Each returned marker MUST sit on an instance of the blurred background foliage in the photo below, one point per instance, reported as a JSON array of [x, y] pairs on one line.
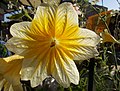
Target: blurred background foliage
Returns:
[[102, 72]]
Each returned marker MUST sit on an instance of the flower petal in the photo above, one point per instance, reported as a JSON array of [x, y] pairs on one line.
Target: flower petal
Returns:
[[23, 30], [33, 71], [82, 45], [19, 30], [53, 21], [26, 48], [44, 20], [107, 37], [34, 68], [66, 20], [87, 44], [11, 67], [65, 70]]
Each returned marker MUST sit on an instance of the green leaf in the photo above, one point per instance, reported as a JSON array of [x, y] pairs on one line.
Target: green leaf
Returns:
[[16, 16], [3, 51]]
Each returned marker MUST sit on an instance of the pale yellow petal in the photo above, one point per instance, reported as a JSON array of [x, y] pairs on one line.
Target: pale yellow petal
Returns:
[[66, 22], [65, 70], [27, 48], [107, 37], [8, 62], [33, 71], [12, 74], [20, 30], [52, 21], [34, 68], [13, 58], [25, 31], [82, 45], [87, 45], [11, 67], [44, 20]]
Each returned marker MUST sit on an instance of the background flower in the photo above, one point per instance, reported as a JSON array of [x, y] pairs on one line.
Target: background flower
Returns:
[[107, 37], [9, 73]]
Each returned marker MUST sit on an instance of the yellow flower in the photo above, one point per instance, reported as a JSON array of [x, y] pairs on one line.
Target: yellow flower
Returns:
[[9, 73], [107, 37], [50, 43]]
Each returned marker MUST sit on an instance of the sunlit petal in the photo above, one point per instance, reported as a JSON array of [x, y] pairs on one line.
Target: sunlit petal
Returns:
[[107, 37], [34, 69], [86, 45], [19, 30], [27, 48], [65, 70], [10, 71], [44, 21], [66, 21]]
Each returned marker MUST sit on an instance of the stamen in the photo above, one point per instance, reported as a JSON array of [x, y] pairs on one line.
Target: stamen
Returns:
[[52, 44]]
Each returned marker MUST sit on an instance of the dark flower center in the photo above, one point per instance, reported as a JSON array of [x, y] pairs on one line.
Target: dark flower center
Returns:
[[52, 44]]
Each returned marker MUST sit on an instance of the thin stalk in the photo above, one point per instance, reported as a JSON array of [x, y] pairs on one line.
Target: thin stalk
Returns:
[[116, 69], [115, 57], [26, 14], [91, 74], [1, 35]]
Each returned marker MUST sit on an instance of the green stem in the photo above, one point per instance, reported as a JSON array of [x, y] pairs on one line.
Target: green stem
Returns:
[[26, 14], [116, 71], [114, 53], [61, 88], [70, 89], [91, 74]]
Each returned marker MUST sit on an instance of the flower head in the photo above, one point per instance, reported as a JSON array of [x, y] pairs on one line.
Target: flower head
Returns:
[[9, 73], [107, 37], [50, 43]]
